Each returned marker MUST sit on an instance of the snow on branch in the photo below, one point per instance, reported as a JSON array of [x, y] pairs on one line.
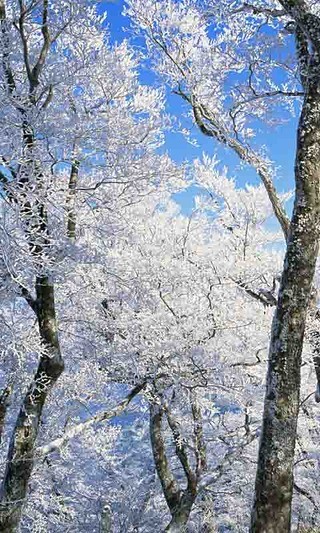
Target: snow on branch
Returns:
[[77, 429]]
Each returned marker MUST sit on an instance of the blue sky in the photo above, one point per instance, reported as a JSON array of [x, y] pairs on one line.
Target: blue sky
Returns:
[[280, 141]]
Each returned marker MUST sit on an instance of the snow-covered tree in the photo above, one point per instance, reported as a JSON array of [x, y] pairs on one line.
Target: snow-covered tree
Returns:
[[79, 134], [134, 335], [238, 64]]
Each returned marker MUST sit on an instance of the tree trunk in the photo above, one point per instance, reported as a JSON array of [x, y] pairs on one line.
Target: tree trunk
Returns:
[[178, 523], [71, 197], [170, 487], [4, 402], [179, 501], [21, 452], [180, 516], [274, 480]]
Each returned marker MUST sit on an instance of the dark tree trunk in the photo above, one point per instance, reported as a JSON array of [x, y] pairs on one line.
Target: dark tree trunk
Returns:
[[4, 402], [71, 197], [21, 452], [180, 515], [170, 487], [274, 481], [180, 501]]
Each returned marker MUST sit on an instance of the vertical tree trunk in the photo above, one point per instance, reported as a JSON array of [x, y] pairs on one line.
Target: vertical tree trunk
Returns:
[[71, 196], [274, 480], [22, 446], [4, 402], [180, 516], [33, 214], [105, 520]]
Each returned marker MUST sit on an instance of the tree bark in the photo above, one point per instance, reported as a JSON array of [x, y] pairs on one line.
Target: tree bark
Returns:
[[4, 402], [79, 428], [21, 452], [34, 216], [274, 480], [179, 501], [180, 516], [178, 522], [71, 196], [170, 487]]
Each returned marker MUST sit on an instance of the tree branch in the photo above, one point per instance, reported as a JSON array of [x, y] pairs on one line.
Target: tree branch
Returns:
[[200, 448], [5, 54], [267, 298], [249, 8], [181, 450], [24, 40], [45, 46], [77, 429], [211, 127], [71, 215]]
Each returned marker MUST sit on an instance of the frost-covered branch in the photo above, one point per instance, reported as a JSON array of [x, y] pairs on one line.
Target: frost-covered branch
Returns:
[[78, 429], [211, 127]]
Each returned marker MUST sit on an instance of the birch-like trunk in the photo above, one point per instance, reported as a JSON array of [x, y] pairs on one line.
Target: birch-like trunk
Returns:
[[274, 480]]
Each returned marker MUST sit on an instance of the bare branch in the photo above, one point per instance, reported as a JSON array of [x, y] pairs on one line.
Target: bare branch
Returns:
[[181, 449], [45, 46], [24, 40], [255, 10], [211, 127]]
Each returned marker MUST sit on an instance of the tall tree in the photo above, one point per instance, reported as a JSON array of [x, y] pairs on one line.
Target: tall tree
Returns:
[[69, 104], [231, 40], [274, 482]]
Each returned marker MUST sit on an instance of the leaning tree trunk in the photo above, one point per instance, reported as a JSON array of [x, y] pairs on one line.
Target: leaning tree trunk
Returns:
[[180, 501], [274, 480], [21, 452]]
